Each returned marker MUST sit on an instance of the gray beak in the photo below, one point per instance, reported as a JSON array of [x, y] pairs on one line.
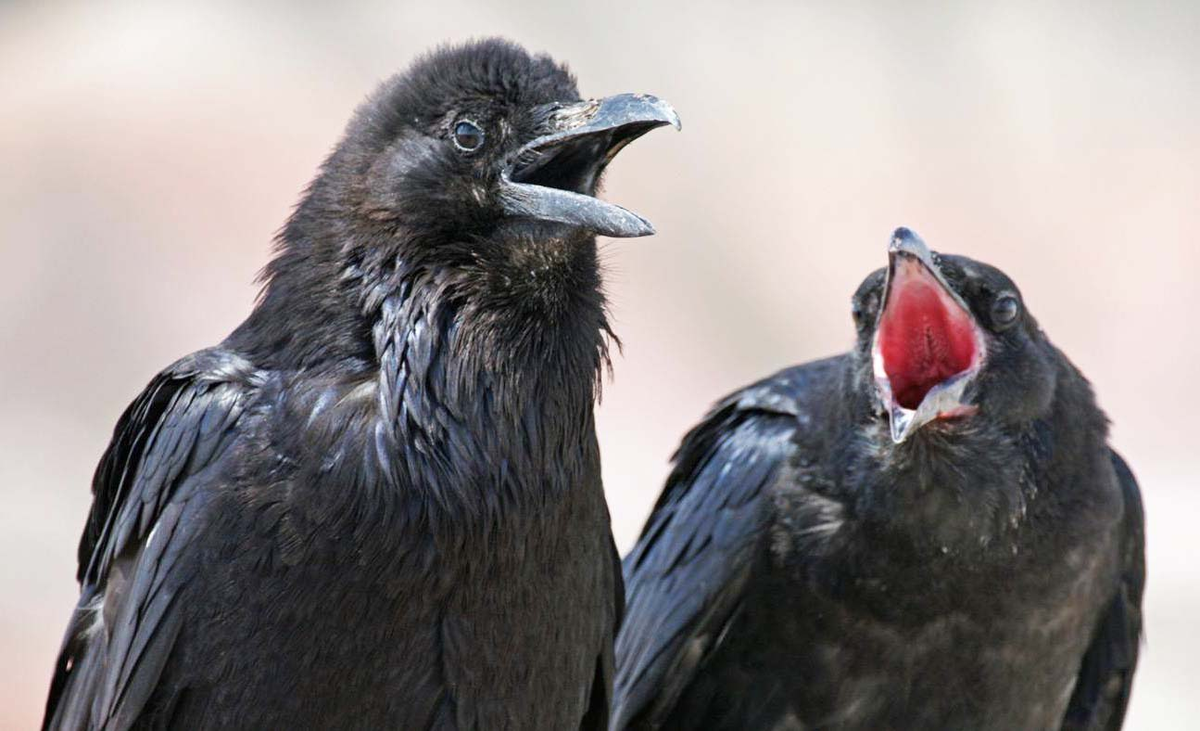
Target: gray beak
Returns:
[[553, 177]]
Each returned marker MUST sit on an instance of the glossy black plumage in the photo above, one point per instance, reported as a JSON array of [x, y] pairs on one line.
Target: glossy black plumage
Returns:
[[802, 570], [378, 504]]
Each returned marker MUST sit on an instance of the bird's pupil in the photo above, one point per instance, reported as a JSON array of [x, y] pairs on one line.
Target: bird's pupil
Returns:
[[1006, 309], [467, 136]]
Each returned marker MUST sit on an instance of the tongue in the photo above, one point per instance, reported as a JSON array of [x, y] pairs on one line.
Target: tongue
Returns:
[[925, 337]]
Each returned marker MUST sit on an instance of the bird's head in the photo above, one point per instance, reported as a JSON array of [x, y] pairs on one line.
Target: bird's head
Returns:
[[487, 141], [469, 178], [945, 339]]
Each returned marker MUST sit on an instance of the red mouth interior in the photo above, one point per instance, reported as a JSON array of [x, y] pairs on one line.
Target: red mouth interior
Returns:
[[925, 336]]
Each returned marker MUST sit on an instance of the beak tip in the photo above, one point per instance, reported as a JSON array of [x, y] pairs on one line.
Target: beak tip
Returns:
[[906, 241], [898, 426], [903, 236], [661, 108], [636, 231], [665, 114]]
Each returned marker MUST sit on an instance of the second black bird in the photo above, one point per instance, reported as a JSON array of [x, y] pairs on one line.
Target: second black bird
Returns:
[[929, 532]]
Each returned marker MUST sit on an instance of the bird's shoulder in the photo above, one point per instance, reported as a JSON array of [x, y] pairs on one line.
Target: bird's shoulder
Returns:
[[686, 575], [753, 417], [178, 424], [744, 438]]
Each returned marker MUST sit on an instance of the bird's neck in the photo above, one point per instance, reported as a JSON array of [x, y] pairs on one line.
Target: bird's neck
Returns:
[[489, 365], [959, 491], [474, 368], [974, 487]]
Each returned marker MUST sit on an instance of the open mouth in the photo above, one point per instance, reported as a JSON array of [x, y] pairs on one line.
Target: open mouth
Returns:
[[927, 346], [569, 165], [555, 176], [575, 163]]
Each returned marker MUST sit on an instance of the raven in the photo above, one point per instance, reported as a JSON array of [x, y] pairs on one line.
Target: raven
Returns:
[[377, 503], [927, 532]]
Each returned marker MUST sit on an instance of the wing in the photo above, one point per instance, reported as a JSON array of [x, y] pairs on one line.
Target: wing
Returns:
[[685, 577], [1106, 674], [148, 495]]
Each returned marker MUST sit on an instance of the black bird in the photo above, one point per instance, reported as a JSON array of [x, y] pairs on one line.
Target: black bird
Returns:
[[928, 532], [377, 504]]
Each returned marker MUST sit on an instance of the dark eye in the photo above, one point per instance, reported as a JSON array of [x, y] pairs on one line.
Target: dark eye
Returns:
[[1005, 310], [857, 311], [467, 136], [862, 310]]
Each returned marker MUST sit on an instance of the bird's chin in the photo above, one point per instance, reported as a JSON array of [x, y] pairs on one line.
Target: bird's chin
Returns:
[[545, 234], [908, 425]]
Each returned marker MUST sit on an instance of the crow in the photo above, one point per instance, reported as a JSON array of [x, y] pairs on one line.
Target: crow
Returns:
[[377, 503], [928, 532]]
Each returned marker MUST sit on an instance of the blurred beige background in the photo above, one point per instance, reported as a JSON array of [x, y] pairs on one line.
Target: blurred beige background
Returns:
[[148, 153]]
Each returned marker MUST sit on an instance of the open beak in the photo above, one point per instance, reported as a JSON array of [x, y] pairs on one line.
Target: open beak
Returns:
[[554, 177], [928, 347]]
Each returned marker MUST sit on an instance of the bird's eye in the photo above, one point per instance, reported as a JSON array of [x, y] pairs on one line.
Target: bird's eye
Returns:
[[1005, 310], [467, 136], [864, 303], [863, 310]]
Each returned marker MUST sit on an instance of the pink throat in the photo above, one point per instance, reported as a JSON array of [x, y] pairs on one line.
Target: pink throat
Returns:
[[925, 336]]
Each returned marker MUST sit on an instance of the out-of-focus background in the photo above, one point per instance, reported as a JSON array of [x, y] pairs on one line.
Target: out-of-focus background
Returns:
[[148, 152]]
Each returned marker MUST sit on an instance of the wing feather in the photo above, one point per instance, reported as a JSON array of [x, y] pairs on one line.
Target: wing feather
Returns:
[[686, 575], [150, 490]]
